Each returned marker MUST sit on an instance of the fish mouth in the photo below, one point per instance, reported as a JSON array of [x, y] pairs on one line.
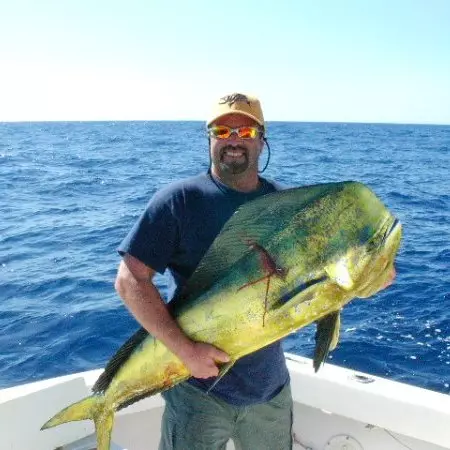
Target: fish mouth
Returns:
[[393, 227], [382, 269], [386, 230], [392, 230]]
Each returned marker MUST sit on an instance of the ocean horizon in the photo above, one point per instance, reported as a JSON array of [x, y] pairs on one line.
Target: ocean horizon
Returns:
[[268, 122]]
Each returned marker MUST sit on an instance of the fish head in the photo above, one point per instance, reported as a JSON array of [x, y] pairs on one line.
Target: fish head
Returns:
[[374, 236], [378, 259]]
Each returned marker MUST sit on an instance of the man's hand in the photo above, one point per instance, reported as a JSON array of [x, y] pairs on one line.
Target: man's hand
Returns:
[[201, 359], [134, 284]]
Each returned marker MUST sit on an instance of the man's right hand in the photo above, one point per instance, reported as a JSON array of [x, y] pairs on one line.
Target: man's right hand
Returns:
[[134, 284], [201, 359]]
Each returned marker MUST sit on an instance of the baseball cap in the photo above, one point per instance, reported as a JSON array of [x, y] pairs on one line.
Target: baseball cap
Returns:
[[236, 103]]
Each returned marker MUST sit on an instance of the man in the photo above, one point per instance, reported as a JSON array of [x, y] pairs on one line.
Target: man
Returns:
[[252, 403]]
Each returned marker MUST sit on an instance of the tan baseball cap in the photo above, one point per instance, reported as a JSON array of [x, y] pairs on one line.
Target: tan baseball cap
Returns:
[[237, 104]]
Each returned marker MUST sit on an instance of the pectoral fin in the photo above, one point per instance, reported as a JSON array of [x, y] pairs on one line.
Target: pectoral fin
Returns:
[[340, 274], [294, 297], [327, 337]]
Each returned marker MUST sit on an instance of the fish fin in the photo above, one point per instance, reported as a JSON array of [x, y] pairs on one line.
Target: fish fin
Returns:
[[82, 410], [93, 408], [340, 274], [293, 298], [226, 250], [252, 221], [336, 333], [103, 429], [117, 361], [223, 370], [327, 337], [152, 391]]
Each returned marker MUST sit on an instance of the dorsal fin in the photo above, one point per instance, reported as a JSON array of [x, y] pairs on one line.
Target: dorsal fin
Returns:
[[118, 360], [252, 221]]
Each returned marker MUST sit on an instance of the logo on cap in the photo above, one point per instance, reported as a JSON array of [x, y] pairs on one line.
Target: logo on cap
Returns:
[[234, 98]]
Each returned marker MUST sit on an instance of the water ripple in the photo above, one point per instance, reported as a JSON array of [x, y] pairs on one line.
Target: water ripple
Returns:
[[71, 191]]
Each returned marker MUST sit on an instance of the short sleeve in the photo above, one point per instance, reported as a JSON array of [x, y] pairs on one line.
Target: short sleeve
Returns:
[[153, 238]]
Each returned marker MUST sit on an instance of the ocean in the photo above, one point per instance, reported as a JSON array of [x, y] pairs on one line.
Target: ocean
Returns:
[[70, 191]]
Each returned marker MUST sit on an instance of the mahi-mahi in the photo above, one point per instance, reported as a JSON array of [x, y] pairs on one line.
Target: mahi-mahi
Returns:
[[281, 262]]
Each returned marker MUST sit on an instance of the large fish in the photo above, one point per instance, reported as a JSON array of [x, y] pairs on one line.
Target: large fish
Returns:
[[281, 262]]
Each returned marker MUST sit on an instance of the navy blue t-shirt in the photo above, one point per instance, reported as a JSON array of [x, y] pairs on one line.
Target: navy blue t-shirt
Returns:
[[176, 229]]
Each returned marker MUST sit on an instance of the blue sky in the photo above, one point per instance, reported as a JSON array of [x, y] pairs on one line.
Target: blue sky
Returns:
[[329, 60]]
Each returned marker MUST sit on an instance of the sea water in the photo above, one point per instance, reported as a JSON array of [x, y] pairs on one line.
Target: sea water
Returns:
[[69, 193]]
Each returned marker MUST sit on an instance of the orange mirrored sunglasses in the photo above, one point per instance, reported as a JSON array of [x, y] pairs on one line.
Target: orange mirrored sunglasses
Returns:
[[224, 132]]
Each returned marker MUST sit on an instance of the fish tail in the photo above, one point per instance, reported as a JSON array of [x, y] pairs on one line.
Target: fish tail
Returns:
[[84, 409], [103, 427], [93, 408]]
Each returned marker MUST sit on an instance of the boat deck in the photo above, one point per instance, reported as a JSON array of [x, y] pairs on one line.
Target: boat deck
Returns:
[[335, 409]]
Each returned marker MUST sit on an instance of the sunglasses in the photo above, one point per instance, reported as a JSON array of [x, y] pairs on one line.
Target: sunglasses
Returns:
[[224, 132]]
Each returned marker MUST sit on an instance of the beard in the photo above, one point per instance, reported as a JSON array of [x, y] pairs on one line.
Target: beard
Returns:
[[234, 166]]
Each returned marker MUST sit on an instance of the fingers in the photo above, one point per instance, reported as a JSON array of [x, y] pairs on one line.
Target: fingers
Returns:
[[213, 371], [202, 363], [207, 369], [220, 356]]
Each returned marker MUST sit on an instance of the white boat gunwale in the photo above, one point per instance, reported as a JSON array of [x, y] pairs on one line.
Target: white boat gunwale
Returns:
[[406, 412]]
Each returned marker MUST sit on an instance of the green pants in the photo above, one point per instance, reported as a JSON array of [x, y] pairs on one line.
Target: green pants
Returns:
[[194, 420]]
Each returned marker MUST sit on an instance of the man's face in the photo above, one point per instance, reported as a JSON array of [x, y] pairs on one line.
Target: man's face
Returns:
[[235, 156]]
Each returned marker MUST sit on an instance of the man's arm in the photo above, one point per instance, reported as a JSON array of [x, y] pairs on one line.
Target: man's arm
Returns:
[[135, 287]]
